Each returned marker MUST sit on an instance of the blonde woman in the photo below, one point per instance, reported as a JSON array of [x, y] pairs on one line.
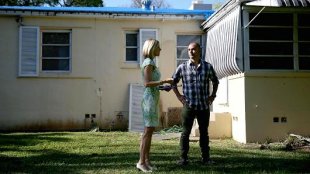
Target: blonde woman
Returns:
[[150, 101]]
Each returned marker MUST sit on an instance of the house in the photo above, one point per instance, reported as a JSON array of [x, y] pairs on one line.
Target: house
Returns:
[[260, 50], [68, 68]]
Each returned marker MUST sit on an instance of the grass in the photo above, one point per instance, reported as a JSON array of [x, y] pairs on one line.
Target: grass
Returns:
[[117, 152]]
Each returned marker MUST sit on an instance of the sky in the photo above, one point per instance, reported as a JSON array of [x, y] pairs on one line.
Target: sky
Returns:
[[178, 4]]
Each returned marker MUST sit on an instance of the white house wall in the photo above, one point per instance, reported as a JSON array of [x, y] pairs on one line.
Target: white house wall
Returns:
[[276, 95], [255, 99], [61, 100], [236, 104]]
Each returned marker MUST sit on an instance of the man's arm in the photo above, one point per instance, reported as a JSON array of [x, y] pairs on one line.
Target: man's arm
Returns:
[[215, 83], [180, 97], [214, 89], [176, 78]]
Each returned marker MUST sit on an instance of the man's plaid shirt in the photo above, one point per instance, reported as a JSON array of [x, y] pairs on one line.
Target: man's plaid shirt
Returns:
[[196, 83]]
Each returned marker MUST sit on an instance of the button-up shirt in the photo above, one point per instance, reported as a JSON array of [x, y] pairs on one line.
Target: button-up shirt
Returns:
[[195, 82]]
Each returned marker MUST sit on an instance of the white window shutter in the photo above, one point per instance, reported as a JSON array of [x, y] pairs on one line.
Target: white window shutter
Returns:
[[136, 123], [145, 34], [28, 51]]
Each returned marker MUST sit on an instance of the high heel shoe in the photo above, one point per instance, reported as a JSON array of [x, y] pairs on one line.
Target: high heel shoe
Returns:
[[143, 168]]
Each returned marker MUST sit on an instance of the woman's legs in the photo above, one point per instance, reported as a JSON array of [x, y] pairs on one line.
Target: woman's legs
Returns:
[[148, 146], [145, 145]]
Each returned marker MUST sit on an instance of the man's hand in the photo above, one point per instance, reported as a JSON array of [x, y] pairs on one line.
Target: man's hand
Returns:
[[182, 99], [211, 99]]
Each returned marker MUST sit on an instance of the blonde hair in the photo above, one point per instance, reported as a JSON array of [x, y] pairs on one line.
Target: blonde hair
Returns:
[[149, 47]]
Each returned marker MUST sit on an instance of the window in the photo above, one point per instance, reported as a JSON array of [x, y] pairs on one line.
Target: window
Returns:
[[56, 50], [304, 41], [271, 41], [278, 41], [182, 44], [134, 44]]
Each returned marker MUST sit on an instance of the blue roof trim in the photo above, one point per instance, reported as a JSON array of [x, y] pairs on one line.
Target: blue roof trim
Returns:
[[207, 13]]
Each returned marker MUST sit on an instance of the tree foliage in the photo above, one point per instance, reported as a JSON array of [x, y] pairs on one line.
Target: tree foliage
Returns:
[[156, 3], [22, 2], [217, 6], [53, 3], [84, 3]]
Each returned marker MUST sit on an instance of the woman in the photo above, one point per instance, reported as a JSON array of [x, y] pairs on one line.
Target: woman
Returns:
[[150, 101]]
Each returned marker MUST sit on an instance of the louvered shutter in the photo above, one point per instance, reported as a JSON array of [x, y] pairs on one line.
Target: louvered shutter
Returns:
[[28, 51], [145, 34], [135, 112]]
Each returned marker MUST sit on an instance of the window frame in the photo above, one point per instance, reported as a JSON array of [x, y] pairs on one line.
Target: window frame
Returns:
[[202, 45], [137, 47], [295, 42], [53, 58], [142, 35], [301, 42]]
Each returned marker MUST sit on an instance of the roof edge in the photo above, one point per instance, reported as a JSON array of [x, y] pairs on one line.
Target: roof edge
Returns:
[[221, 12], [107, 12]]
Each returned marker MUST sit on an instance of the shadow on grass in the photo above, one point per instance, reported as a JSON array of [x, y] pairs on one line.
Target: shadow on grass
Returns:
[[113, 160], [28, 139], [234, 162]]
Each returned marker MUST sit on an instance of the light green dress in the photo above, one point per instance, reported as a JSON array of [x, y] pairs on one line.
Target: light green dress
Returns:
[[150, 100]]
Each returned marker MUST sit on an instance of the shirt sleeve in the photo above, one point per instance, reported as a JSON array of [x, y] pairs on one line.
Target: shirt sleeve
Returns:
[[147, 62], [213, 76]]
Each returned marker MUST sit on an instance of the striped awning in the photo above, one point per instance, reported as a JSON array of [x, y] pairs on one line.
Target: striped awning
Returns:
[[281, 3], [296, 3], [222, 44]]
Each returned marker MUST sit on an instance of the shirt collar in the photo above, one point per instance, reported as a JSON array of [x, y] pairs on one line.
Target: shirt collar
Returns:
[[191, 63]]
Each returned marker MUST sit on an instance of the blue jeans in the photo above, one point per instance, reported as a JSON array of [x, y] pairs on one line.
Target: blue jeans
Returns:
[[203, 117]]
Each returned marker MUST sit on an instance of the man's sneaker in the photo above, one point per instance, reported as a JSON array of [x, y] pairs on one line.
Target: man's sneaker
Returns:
[[182, 162], [207, 161]]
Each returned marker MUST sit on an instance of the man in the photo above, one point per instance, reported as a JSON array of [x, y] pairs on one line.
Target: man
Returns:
[[196, 99]]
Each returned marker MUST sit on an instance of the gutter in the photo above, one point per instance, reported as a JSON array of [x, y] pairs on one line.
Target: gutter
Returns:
[[108, 13], [105, 15]]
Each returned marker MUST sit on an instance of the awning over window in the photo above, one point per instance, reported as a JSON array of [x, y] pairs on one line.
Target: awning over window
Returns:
[[222, 45], [281, 3]]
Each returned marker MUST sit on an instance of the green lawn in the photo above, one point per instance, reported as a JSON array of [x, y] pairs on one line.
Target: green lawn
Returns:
[[117, 152]]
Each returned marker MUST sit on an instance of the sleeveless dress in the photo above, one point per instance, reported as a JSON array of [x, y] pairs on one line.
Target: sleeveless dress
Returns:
[[150, 99]]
